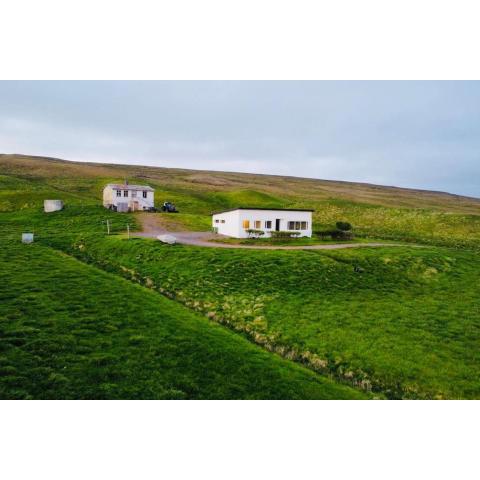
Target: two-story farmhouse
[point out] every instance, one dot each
(128, 198)
(237, 221)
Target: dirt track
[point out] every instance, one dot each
(153, 226)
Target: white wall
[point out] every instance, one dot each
(233, 226)
(110, 198)
(228, 223)
(107, 197)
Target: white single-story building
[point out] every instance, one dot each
(237, 221)
(128, 198)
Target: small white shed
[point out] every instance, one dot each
(27, 237)
(237, 221)
(52, 205)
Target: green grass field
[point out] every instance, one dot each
(381, 212)
(400, 322)
(68, 330)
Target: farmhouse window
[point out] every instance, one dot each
(258, 224)
(144, 194)
(217, 221)
(223, 221)
(297, 225)
(119, 193)
(125, 193)
(134, 193)
(246, 224)
(268, 224)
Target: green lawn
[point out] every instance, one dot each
(68, 330)
(403, 321)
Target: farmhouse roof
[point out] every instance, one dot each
(120, 186)
(265, 209)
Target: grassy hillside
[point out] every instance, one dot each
(197, 184)
(68, 330)
(403, 322)
(382, 212)
(400, 321)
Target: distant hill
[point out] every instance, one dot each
(375, 211)
(275, 187)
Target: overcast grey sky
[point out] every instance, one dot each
(411, 134)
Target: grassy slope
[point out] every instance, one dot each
(68, 330)
(406, 322)
(386, 212)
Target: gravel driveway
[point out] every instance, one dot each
(152, 228)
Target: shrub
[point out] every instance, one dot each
(344, 226)
(253, 233)
(342, 235)
(281, 235)
(323, 234)
(342, 232)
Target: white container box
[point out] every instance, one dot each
(52, 205)
(27, 237)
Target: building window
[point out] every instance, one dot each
(144, 194)
(268, 224)
(125, 193)
(223, 221)
(119, 193)
(297, 225)
(258, 224)
(134, 193)
(217, 221)
(246, 224)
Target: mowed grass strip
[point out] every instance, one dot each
(69, 330)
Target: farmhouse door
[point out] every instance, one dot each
(277, 225)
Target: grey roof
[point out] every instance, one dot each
(260, 208)
(120, 186)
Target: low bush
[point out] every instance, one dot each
(282, 235)
(344, 226)
(254, 233)
(334, 234)
(324, 234)
(342, 235)
(341, 232)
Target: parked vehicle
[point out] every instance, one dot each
(169, 207)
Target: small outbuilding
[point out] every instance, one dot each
(27, 237)
(52, 205)
(237, 222)
(128, 198)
